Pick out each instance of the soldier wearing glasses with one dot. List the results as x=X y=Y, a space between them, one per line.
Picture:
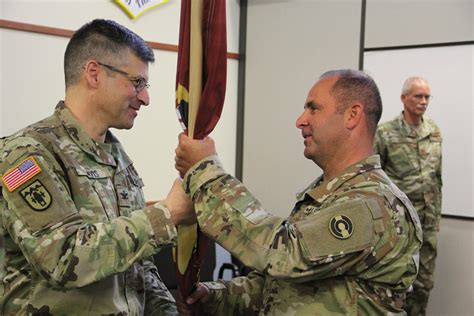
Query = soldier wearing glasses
x=410 y=150
x=76 y=237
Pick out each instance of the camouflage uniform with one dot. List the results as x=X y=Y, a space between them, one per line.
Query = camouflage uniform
x=349 y=247
x=76 y=237
x=411 y=157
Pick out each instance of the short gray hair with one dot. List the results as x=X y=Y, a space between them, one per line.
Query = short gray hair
x=407 y=85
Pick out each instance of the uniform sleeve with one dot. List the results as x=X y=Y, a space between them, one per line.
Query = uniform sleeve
x=158 y=299
x=239 y=296
x=293 y=251
x=60 y=245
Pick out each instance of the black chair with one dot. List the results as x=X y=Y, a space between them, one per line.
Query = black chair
x=236 y=267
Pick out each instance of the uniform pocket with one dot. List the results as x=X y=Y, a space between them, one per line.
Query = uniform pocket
x=101 y=199
x=435 y=150
x=339 y=229
x=402 y=154
x=129 y=191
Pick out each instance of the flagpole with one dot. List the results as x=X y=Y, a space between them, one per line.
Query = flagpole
x=188 y=234
x=195 y=64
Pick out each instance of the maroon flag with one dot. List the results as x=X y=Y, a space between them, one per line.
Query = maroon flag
x=203 y=65
x=200 y=92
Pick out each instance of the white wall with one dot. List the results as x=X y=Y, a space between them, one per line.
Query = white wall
x=414 y=22
x=32 y=80
x=451 y=108
x=289 y=45
x=454 y=291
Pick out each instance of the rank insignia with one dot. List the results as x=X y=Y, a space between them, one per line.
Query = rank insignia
x=21 y=173
x=341 y=227
x=37 y=196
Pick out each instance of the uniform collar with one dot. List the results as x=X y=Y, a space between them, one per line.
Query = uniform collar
x=115 y=148
x=408 y=130
x=81 y=138
x=320 y=190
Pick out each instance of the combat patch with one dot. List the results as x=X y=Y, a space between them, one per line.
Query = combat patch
x=341 y=226
x=21 y=173
x=37 y=196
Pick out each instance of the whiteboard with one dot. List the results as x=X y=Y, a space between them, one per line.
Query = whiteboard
x=449 y=70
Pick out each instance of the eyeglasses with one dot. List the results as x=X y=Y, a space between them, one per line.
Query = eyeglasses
x=419 y=97
x=138 y=82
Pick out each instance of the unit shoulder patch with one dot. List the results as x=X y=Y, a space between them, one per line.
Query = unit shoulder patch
x=37 y=196
x=341 y=226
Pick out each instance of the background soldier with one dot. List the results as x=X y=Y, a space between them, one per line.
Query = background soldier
x=86 y=247
x=349 y=245
x=410 y=151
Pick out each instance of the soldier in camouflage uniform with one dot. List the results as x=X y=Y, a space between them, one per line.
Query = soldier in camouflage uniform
x=75 y=236
x=410 y=151
x=350 y=245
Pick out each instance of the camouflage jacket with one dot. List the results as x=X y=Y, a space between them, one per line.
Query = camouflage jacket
x=349 y=247
x=75 y=235
x=411 y=157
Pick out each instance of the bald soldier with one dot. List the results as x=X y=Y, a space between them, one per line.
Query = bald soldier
x=75 y=235
x=410 y=152
x=350 y=244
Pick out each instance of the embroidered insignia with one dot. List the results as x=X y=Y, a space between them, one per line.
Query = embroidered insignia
x=310 y=210
x=341 y=227
x=93 y=174
x=18 y=175
x=37 y=196
x=124 y=195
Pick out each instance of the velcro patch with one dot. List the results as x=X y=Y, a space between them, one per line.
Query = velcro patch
x=339 y=229
x=37 y=196
x=21 y=173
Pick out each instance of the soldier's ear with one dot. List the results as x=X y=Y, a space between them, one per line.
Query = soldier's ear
x=92 y=73
x=403 y=98
x=353 y=115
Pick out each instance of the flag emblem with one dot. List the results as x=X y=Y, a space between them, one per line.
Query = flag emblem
x=23 y=172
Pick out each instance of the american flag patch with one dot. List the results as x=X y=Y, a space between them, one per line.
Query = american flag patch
x=23 y=172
